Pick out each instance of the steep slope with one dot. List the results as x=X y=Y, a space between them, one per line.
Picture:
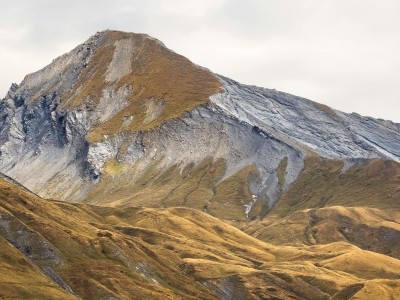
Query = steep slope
x=373 y=183
x=20 y=279
x=122 y=120
x=73 y=250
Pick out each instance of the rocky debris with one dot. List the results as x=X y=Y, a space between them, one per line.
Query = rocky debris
x=57 y=278
x=119 y=67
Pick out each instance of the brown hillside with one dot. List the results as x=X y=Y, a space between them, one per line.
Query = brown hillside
x=176 y=253
x=372 y=183
x=368 y=228
x=322 y=183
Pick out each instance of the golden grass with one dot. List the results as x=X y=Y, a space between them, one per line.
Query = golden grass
x=374 y=183
x=379 y=289
x=368 y=228
x=113 y=167
x=196 y=186
x=364 y=264
x=176 y=253
x=322 y=183
x=19 y=279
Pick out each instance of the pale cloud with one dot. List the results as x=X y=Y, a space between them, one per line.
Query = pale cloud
x=344 y=53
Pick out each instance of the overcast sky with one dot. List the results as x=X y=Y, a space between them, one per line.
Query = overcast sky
x=344 y=53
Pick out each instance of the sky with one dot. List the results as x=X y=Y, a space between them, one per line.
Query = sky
x=343 y=53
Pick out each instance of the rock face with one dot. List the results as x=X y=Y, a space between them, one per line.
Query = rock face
x=303 y=123
x=122 y=106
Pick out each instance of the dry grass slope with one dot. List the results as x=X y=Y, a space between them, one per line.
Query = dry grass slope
x=368 y=228
x=195 y=186
x=373 y=183
x=174 y=253
x=323 y=183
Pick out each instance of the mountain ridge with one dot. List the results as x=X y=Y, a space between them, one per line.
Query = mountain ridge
x=97 y=123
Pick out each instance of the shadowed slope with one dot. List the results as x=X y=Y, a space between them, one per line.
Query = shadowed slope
x=368 y=228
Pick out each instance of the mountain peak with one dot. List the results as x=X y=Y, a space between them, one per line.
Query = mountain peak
x=129 y=75
x=122 y=112
x=115 y=35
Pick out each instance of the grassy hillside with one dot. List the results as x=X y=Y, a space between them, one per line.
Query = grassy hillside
x=322 y=183
x=372 y=183
x=175 y=253
x=368 y=228
x=195 y=186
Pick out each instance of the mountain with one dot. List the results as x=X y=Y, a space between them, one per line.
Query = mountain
x=122 y=120
x=58 y=250
x=166 y=180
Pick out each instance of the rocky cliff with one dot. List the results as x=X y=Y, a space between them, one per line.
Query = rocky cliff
x=122 y=120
